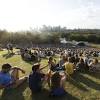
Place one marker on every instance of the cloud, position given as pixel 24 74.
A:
pixel 90 7
pixel 22 14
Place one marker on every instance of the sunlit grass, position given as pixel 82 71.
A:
pixel 96 45
pixel 84 86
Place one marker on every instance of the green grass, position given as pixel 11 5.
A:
pixel 84 86
pixel 95 46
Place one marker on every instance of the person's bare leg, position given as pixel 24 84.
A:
pixel 63 81
pixel 49 77
pixel 19 82
pixel 48 81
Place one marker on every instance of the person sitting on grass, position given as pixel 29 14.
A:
pixel 81 65
pixel 10 80
pixel 61 62
pixel 51 69
pixel 52 64
pixel 69 67
pixel 94 66
pixel 57 85
pixel 10 48
pixel 35 79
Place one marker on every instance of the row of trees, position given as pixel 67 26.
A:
pixel 21 38
pixel 47 36
pixel 88 38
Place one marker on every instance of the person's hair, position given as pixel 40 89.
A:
pixel 6 66
pixel 35 67
pixel 76 55
pixel 81 60
pixel 50 58
pixel 65 58
pixel 95 61
pixel 69 59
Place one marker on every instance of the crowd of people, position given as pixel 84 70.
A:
pixel 35 54
pixel 70 61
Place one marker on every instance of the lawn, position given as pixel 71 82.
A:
pixel 84 86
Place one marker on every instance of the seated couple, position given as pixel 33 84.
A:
pixel 9 77
pixel 36 78
pixel 64 64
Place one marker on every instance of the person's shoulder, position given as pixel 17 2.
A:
pixel 4 75
pixel 31 74
pixel 1 73
pixel 72 64
pixel 66 63
pixel 42 74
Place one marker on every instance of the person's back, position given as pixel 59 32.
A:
pixel 27 55
pixel 80 65
pixel 55 80
pixel 5 78
pixel 35 82
pixel 57 85
pixel 35 79
pixel 72 59
pixel 57 88
pixel 69 66
pixel 10 47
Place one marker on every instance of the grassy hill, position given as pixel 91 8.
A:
pixel 84 86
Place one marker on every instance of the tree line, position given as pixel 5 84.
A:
pixel 49 35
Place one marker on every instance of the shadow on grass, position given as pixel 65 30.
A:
pixel 75 81
pixel 90 83
pixel 29 62
pixel 78 85
pixel 8 55
pixel 94 74
pixel 79 78
pixel 44 95
pixel 14 94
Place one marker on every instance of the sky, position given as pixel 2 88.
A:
pixel 16 15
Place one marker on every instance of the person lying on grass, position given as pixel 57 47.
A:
pixel 9 77
pixel 36 79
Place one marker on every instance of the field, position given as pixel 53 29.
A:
pixel 84 86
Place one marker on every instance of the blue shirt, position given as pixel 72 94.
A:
pixel 5 78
